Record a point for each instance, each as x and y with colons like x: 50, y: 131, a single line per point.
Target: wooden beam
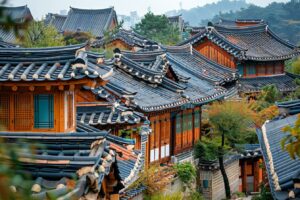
x: 31, y: 88
x: 61, y: 87
x: 48, y: 87
x: 14, y: 88
x: 71, y: 87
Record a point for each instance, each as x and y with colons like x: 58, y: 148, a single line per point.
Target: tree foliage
x: 291, y: 142
x: 158, y: 28
x: 268, y: 96
x: 232, y: 119
x: 40, y: 35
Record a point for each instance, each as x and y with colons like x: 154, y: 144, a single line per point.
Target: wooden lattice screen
x: 4, y: 112
x: 23, y: 112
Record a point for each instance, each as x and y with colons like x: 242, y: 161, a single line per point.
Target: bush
x: 186, y: 172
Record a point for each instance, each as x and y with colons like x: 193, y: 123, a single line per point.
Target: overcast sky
x: 40, y: 8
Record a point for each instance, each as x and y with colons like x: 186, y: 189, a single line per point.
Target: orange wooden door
x: 23, y: 112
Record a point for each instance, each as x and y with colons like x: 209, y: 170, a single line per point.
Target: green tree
x: 158, y: 28
x: 231, y: 122
x: 291, y: 142
x: 295, y: 66
x: 40, y: 35
x: 267, y: 97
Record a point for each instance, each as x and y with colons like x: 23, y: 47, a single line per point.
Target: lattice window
x: 4, y: 112
x: 270, y: 69
x: 261, y: 69
x: 43, y: 111
x: 251, y: 70
x: 23, y: 112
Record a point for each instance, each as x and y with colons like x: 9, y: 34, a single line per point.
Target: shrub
x: 186, y: 172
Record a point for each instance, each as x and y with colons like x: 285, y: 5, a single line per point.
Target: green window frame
x: 190, y: 121
x: 178, y: 124
x: 185, y: 122
x: 197, y: 119
x: 241, y: 70
x: 44, y: 111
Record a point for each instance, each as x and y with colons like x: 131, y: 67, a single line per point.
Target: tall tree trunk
x: 222, y: 168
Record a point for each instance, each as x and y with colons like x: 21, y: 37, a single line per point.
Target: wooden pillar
x: 244, y: 175
x: 256, y: 180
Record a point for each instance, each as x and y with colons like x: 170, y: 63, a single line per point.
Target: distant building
x: 249, y: 46
x: 129, y: 21
x: 96, y: 22
x: 177, y: 21
x: 19, y: 15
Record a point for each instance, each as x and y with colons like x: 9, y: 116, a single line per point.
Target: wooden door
x: 23, y: 112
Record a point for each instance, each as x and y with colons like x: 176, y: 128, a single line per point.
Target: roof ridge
x: 83, y: 9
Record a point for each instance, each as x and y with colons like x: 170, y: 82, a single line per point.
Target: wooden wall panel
x: 215, y: 53
x: 4, y: 112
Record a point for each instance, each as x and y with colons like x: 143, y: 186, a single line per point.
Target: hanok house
x: 166, y: 87
x: 96, y: 21
x: 283, y: 171
x: 39, y: 91
x: 252, y: 48
x: 126, y: 40
x: 20, y: 16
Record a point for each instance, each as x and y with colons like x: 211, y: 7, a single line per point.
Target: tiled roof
x: 283, y: 82
x: 55, y: 20
x: 7, y: 45
x: 254, y: 42
x: 8, y: 36
x: 47, y: 64
x: 18, y: 14
x: 214, y: 164
x: 280, y: 167
x: 65, y: 165
x: 200, y: 66
x: 145, y: 73
x: 99, y: 115
x: 249, y: 150
x: 87, y: 20
x: 130, y: 38
x: 289, y: 107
